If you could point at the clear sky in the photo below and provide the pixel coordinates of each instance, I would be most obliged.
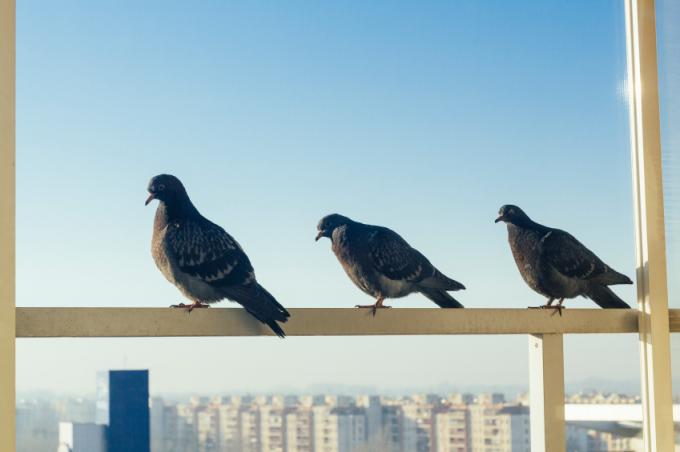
(422, 117)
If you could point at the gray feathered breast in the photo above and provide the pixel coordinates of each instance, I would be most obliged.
(200, 258)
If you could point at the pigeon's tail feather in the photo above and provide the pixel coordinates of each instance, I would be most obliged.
(605, 297)
(612, 277)
(282, 313)
(276, 328)
(441, 298)
(264, 307)
(440, 281)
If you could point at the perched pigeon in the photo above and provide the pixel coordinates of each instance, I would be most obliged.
(202, 260)
(383, 265)
(556, 265)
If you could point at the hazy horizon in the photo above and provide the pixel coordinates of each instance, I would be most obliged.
(624, 387)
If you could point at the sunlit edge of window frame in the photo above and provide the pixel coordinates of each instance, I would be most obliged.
(648, 207)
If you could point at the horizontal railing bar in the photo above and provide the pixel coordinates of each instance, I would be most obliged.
(165, 322)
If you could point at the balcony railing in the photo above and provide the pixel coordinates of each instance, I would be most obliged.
(153, 322)
(652, 322)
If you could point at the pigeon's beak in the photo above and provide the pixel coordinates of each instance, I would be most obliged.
(318, 236)
(500, 218)
(149, 199)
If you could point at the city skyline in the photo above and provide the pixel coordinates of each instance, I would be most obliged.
(427, 422)
(276, 116)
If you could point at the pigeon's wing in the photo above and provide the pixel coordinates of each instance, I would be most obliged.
(570, 257)
(394, 258)
(205, 251)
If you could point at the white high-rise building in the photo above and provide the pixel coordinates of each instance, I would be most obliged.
(338, 429)
(271, 428)
(229, 418)
(299, 430)
(207, 429)
(325, 429)
(416, 425)
(499, 428)
(452, 429)
(250, 429)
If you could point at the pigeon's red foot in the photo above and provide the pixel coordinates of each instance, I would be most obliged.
(190, 307)
(559, 306)
(374, 307)
(544, 306)
(556, 308)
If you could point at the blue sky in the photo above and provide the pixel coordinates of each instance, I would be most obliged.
(422, 117)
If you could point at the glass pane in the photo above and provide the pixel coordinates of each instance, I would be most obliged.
(425, 118)
(668, 41)
(668, 38)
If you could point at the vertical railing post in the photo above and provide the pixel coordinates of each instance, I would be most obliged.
(546, 393)
(652, 287)
(7, 225)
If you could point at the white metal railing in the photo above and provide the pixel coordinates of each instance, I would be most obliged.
(653, 321)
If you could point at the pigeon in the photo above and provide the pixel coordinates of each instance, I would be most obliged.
(556, 265)
(384, 265)
(202, 260)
